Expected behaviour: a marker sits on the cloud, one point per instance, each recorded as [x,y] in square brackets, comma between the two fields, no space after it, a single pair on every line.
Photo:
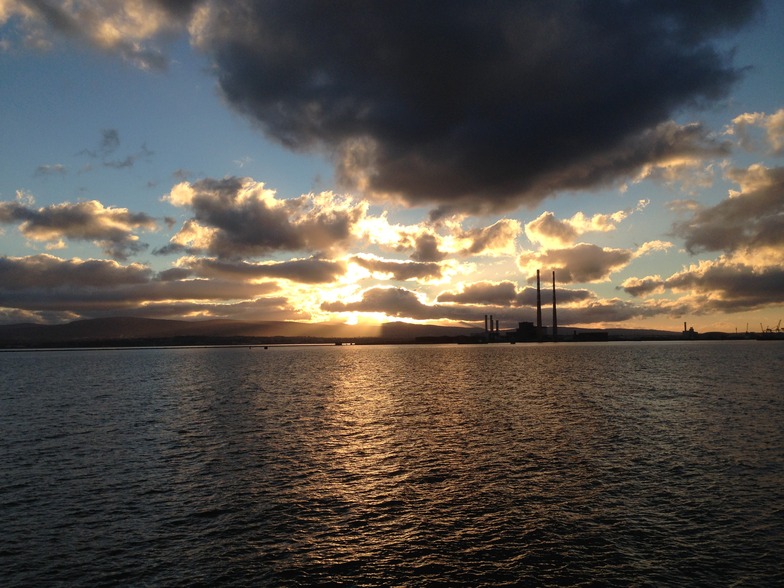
[497,239]
[499,294]
[397,302]
[129,160]
[726,284]
[751,219]
[476,108]
[238,216]
[721,285]
[9,316]
[402,303]
[550,232]
[271,308]
[127,28]
[51,170]
[45,283]
[643,286]
[582,263]
[564,296]
[604,312]
[111,229]
[651,246]
[772,125]
[689,174]
[110,141]
[426,249]
[305,271]
[506,293]
[48,272]
[107,147]
[434,241]
[400,270]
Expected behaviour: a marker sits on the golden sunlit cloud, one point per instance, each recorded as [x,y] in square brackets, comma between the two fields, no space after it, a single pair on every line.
[772,126]
[550,232]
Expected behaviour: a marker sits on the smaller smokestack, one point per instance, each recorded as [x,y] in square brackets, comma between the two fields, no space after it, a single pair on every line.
[485,323]
[684,326]
[496,326]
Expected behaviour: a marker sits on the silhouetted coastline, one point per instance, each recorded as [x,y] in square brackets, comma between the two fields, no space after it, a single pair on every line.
[136,333]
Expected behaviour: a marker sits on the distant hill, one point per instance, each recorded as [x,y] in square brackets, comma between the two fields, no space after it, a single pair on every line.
[131,330]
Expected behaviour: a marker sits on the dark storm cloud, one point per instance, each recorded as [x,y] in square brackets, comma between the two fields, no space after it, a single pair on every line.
[304,271]
[400,270]
[178,8]
[752,219]
[476,106]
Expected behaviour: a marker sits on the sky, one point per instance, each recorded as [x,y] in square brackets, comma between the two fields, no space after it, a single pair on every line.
[364,162]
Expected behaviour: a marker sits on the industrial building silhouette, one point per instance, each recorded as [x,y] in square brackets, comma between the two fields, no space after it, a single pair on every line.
[529,331]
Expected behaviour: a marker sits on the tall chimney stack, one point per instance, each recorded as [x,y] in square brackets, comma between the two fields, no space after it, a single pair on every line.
[555,314]
[538,307]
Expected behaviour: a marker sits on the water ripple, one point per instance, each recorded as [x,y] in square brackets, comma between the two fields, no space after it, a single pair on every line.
[542,465]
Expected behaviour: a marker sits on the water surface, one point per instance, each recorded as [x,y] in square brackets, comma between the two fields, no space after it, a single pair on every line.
[568,464]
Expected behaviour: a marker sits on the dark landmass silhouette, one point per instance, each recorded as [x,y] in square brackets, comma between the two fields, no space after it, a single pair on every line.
[132,331]
[138,332]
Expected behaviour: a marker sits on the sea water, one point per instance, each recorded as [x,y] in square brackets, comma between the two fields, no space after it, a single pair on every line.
[621,464]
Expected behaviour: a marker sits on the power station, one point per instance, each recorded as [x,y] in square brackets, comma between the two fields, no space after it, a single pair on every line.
[526,331]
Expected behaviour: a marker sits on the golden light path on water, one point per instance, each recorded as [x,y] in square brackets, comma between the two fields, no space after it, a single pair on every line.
[489,465]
